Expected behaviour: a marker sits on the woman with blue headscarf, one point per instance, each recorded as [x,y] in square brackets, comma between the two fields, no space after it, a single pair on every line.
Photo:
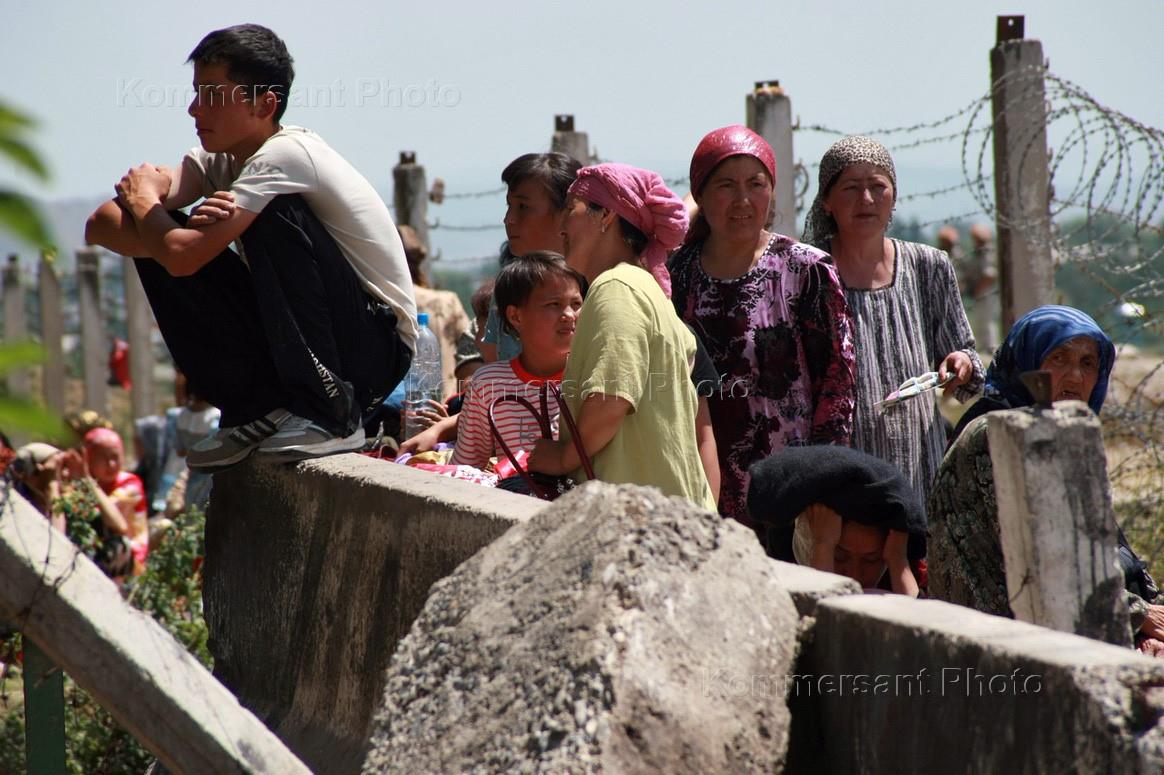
[1061,340]
[966,563]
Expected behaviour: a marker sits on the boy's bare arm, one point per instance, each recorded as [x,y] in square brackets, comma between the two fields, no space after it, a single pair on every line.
[143,192]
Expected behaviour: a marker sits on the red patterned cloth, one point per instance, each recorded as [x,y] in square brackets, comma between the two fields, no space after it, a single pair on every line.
[781,340]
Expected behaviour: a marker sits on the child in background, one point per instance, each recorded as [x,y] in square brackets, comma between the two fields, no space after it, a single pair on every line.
[539,298]
[104,456]
[196,421]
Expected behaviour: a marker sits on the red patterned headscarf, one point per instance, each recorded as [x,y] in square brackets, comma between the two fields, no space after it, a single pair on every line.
[719,144]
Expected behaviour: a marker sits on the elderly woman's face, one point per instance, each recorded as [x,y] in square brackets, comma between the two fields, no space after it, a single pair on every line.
[1074,367]
[735,198]
[861,201]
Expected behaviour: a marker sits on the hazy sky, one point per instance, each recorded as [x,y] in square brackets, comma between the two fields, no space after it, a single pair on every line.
[468,86]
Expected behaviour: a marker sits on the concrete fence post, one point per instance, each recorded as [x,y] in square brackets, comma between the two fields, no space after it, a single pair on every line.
[94,339]
[1055,517]
[566,140]
[769,114]
[1022,182]
[410,196]
[52,333]
[139,324]
[15,323]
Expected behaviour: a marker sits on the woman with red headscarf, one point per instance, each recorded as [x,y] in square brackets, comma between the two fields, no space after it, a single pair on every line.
[770,310]
[628,377]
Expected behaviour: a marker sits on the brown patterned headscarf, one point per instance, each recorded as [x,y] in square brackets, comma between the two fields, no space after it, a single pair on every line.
[820,227]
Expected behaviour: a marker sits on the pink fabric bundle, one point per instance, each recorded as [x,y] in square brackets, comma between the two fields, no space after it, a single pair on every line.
[719,144]
[641,197]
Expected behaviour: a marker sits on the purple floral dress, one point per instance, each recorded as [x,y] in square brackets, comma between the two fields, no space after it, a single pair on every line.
[781,339]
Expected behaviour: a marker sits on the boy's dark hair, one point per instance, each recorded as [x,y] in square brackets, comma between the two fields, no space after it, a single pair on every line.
[518,279]
[555,171]
[481,298]
[254,57]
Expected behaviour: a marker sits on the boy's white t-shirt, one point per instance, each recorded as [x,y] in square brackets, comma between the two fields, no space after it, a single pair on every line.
[297,161]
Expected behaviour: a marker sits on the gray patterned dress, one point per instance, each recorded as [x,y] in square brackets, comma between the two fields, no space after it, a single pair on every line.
[900,331]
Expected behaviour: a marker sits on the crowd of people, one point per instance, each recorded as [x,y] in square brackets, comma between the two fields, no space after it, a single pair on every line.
[630,336]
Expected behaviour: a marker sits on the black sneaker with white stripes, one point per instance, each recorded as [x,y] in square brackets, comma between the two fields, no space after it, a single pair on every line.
[228,446]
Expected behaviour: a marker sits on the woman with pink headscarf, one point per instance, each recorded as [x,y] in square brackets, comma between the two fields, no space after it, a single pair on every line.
[771,312]
[627,381]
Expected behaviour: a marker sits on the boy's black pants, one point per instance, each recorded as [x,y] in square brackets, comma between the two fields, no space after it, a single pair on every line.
[295,331]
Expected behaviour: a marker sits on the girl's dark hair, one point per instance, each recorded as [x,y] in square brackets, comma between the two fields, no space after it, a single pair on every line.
[635,239]
[254,57]
[520,276]
[555,171]
[480,299]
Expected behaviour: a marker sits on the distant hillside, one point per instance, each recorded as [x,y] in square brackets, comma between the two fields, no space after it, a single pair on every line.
[66,220]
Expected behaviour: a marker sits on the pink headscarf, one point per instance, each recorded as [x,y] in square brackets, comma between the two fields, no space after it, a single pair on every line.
[103,437]
[641,197]
[719,144]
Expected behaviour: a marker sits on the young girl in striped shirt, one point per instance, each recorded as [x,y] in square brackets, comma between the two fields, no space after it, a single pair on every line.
[538,297]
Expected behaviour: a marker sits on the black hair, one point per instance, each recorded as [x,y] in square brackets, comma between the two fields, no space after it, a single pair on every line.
[555,171]
[254,57]
[631,235]
[480,299]
[518,279]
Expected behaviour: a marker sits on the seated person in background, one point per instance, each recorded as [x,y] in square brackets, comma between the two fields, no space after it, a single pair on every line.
[446,316]
[104,456]
[540,298]
[59,486]
[839,510]
[966,562]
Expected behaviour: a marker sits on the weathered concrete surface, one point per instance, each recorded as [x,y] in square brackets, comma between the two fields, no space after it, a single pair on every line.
[907,686]
[1057,527]
[122,657]
[617,631]
[313,573]
[809,586]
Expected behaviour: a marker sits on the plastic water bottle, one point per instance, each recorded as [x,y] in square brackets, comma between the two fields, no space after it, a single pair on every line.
[423,382]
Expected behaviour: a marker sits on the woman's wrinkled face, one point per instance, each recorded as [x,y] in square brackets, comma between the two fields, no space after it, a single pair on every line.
[861,201]
[736,198]
[860,553]
[531,220]
[1074,367]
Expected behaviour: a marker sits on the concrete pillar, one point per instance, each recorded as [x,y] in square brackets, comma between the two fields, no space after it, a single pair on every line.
[15,323]
[1022,182]
[410,196]
[52,333]
[1056,522]
[566,140]
[94,339]
[139,322]
[769,114]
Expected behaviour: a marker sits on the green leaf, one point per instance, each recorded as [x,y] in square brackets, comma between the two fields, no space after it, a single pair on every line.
[16,354]
[30,418]
[12,120]
[19,216]
[21,154]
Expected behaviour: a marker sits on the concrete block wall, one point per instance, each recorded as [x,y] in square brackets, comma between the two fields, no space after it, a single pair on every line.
[315,571]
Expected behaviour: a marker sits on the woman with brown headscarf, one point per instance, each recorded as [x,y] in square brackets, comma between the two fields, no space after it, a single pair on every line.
[906,310]
[770,311]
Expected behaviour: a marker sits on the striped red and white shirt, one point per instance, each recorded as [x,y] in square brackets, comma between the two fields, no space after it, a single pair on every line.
[475,442]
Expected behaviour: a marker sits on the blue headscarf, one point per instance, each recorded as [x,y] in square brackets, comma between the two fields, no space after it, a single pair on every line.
[1031,340]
